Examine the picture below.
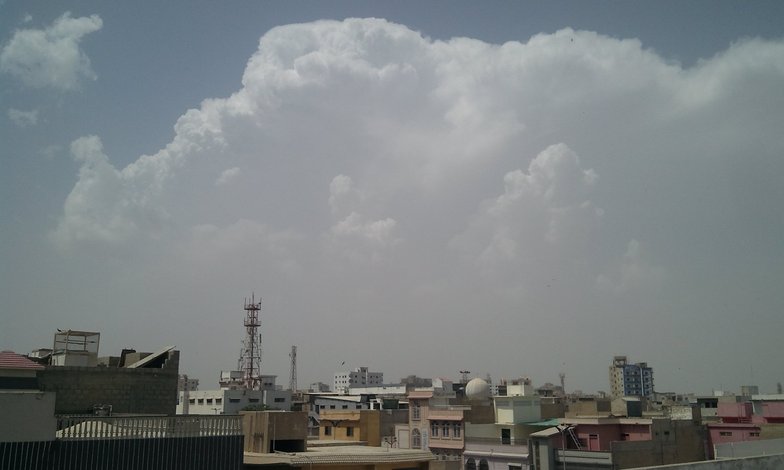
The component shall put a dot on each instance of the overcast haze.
(510, 188)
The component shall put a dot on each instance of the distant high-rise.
(357, 378)
(628, 379)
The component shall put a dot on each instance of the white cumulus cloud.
(51, 57)
(545, 209)
(448, 146)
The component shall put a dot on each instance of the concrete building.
(617, 443)
(27, 413)
(360, 377)
(417, 434)
(362, 426)
(279, 440)
(148, 386)
(232, 398)
(628, 379)
(503, 443)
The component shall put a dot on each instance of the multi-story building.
(230, 399)
(359, 377)
(616, 442)
(628, 379)
(502, 441)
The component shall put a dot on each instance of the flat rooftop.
(356, 454)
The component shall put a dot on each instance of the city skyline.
(508, 188)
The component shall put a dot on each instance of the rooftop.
(340, 455)
(11, 360)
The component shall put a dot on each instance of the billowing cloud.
(107, 205)
(544, 212)
(51, 57)
(23, 118)
(388, 175)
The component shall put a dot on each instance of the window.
(349, 431)
(725, 433)
(234, 400)
(456, 430)
(192, 401)
(280, 399)
(754, 434)
(218, 401)
(445, 430)
(209, 401)
(433, 429)
(483, 465)
(327, 430)
(506, 436)
(415, 410)
(624, 437)
(515, 467)
(253, 400)
(321, 407)
(201, 401)
(331, 407)
(359, 407)
(416, 439)
(345, 407)
(470, 464)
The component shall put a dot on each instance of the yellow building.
(351, 425)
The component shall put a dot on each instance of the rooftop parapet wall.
(143, 391)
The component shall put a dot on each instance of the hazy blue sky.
(513, 188)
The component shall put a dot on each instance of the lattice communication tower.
(251, 345)
(293, 376)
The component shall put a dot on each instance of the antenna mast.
(293, 376)
(251, 346)
(562, 376)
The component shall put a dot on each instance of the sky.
(510, 188)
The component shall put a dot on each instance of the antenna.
(251, 346)
(562, 376)
(293, 375)
(464, 376)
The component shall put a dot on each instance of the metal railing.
(146, 427)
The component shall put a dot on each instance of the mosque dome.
(477, 389)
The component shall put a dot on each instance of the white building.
(230, 399)
(360, 377)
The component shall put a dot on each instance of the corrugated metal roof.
(11, 360)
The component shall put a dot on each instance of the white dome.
(477, 389)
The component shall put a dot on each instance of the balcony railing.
(124, 427)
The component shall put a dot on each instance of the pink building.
(731, 412)
(771, 412)
(596, 434)
(723, 433)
